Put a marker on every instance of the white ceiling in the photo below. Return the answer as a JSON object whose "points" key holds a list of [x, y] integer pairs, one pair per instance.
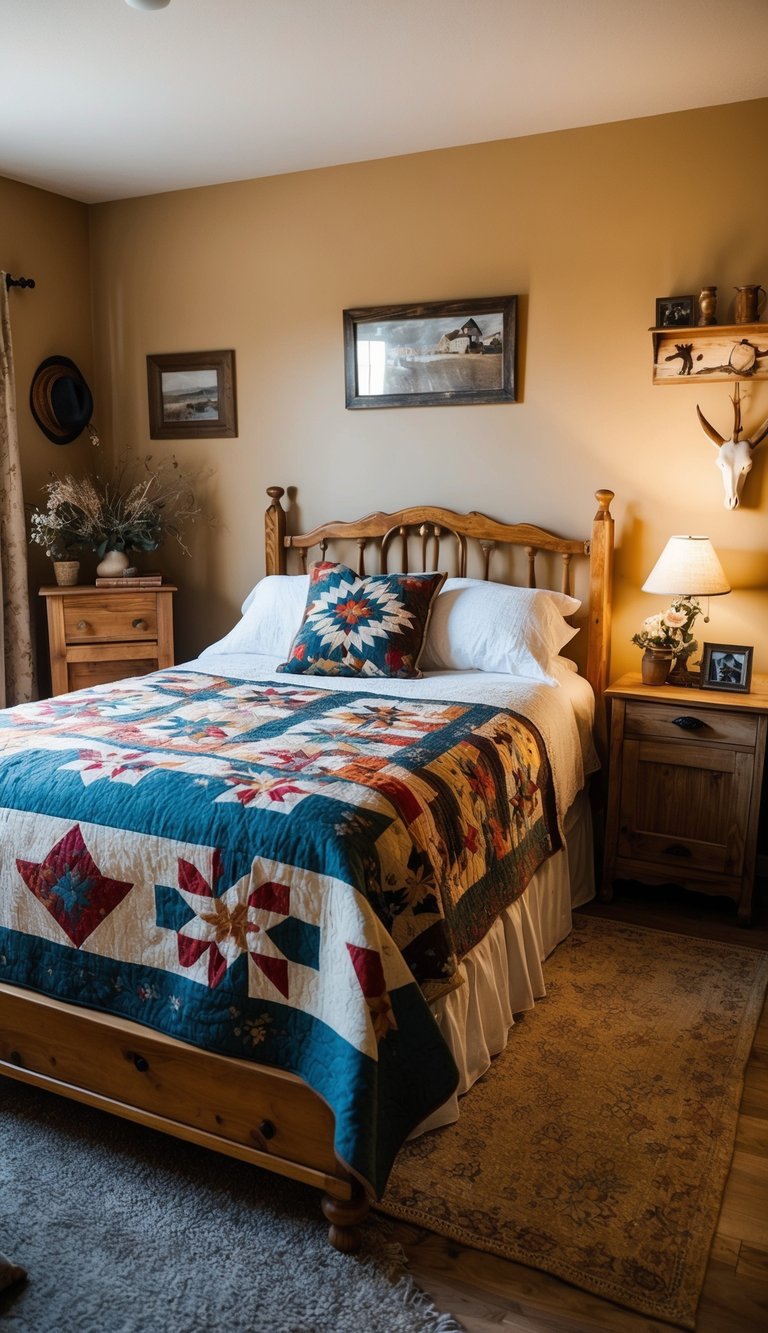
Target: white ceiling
{"points": [[100, 101]]}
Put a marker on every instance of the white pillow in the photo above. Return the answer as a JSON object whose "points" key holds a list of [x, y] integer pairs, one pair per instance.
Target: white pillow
{"points": [[271, 618], [479, 626]]}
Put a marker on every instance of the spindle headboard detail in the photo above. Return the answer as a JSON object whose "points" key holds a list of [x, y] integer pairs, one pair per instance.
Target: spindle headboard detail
{"points": [[439, 538]]}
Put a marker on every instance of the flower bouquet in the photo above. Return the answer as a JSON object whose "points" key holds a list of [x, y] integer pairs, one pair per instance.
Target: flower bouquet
{"points": [[668, 636]]}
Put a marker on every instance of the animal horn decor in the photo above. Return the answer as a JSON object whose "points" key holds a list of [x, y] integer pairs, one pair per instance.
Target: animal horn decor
{"points": [[734, 456]]}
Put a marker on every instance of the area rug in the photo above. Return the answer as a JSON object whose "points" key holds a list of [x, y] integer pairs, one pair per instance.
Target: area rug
{"points": [[121, 1229], [598, 1145]]}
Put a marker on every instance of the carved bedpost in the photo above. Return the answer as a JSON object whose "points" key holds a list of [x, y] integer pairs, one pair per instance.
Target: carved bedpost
{"points": [[601, 599], [599, 656], [601, 591], [274, 532]]}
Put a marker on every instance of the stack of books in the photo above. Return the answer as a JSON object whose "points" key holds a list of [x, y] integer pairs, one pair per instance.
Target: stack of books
{"points": [[138, 579]]}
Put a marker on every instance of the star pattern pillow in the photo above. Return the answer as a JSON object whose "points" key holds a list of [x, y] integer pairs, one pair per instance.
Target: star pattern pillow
{"points": [[363, 625]]}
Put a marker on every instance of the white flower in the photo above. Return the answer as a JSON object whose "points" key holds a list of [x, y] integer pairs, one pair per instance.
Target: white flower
{"points": [[671, 629]]}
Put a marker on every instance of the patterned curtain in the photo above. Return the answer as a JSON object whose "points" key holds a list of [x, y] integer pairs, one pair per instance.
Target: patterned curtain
{"points": [[16, 663]]}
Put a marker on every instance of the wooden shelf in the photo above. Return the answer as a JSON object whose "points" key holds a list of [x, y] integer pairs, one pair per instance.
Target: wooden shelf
{"points": [[708, 353]]}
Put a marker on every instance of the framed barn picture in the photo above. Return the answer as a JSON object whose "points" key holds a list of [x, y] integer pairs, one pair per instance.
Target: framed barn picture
{"points": [[444, 353]]}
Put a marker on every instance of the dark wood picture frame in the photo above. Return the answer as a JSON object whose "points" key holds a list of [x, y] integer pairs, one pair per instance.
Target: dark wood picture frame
{"points": [[192, 395], [676, 312], [442, 353], [726, 666]]}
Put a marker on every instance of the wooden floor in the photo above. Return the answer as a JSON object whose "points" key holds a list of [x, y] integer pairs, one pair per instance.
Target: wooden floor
{"points": [[486, 1293]]}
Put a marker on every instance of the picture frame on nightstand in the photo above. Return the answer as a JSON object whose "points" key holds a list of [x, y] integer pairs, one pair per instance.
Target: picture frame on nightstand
{"points": [[726, 666]]}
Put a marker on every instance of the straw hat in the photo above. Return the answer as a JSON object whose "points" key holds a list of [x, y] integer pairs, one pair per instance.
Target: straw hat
{"points": [[60, 399]]}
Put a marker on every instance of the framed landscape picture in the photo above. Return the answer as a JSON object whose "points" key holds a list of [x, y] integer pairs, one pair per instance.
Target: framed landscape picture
{"points": [[191, 395], [439, 354]]}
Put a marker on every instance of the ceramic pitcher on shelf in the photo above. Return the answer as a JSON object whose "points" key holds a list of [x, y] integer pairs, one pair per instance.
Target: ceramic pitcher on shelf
{"points": [[749, 303]]}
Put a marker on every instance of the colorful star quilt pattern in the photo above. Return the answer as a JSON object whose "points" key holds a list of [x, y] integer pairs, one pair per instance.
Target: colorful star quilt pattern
{"points": [[270, 872]]}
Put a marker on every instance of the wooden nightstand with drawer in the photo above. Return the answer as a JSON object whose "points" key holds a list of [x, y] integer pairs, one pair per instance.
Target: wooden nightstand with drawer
{"points": [[97, 635], [685, 780]]}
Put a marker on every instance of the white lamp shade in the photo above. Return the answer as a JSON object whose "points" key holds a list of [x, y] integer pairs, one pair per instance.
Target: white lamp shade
{"points": [[688, 566]]}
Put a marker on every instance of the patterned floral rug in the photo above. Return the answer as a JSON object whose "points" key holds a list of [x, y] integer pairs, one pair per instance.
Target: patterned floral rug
{"points": [[598, 1145]]}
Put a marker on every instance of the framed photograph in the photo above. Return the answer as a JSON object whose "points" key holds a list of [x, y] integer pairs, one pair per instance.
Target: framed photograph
{"points": [[726, 666], [191, 395], [433, 355], [676, 312]]}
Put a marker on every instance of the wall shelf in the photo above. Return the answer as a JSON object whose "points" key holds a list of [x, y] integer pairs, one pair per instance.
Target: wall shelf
{"points": [[713, 352]]}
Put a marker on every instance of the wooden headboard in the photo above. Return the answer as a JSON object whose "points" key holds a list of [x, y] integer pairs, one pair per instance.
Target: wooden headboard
{"points": [[427, 528]]}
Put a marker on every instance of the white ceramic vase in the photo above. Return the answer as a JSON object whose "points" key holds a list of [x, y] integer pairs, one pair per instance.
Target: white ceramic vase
{"points": [[113, 566]]}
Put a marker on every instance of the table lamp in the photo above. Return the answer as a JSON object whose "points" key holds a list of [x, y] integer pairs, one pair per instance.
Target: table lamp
{"points": [[687, 567]]}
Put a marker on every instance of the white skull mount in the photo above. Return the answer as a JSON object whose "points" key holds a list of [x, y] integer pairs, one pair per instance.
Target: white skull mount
{"points": [[734, 456]]}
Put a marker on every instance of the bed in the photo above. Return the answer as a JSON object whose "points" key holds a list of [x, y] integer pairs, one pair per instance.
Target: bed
{"points": [[287, 910]]}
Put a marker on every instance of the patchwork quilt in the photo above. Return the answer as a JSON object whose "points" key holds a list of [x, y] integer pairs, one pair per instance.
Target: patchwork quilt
{"points": [[270, 872]]}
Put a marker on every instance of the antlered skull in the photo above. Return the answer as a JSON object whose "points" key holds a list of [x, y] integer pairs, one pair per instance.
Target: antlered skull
{"points": [[734, 456]]}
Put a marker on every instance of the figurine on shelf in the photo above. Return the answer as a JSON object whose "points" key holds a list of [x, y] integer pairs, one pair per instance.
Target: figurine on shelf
{"points": [[707, 305]]}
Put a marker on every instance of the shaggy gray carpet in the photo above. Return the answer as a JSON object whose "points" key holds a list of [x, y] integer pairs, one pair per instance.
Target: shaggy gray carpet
{"points": [[122, 1230]]}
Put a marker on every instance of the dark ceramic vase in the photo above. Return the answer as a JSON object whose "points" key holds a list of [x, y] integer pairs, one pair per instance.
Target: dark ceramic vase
{"points": [[655, 665]]}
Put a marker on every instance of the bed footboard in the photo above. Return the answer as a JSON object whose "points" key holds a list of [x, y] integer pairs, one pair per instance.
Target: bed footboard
{"points": [[258, 1115]]}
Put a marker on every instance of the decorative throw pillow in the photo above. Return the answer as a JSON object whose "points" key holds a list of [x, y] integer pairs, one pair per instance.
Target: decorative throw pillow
{"points": [[370, 625]]}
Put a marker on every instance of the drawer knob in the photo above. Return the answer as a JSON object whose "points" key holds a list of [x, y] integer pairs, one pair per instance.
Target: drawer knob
{"points": [[267, 1129], [81, 624], [139, 624], [141, 1063], [688, 723], [677, 849]]}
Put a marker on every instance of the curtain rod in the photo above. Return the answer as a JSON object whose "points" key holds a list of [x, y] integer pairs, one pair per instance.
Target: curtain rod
{"points": [[18, 282]]}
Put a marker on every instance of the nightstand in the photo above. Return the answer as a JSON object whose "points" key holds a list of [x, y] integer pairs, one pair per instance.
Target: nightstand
{"points": [[100, 634], [685, 779]]}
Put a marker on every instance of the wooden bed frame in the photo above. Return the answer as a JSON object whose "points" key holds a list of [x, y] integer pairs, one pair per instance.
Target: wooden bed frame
{"points": [[257, 1114]]}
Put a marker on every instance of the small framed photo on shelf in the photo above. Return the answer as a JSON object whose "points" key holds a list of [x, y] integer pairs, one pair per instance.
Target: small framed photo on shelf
{"points": [[726, 666], [675, 312]]}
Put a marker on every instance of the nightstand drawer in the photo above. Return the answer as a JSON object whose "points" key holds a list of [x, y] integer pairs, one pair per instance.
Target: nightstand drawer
{"points": [[675, 722], [126, 616], [680, 806]]}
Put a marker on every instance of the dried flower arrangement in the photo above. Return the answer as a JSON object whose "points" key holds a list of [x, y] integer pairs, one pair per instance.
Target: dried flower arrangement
{"points": [[93, 513]]}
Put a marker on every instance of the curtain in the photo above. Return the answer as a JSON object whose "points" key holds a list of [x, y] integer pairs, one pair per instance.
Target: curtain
{"points": [[16, 662]]}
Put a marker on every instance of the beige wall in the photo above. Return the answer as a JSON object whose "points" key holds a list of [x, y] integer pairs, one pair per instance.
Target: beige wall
{"points": [[46, 237], [588, 226]]}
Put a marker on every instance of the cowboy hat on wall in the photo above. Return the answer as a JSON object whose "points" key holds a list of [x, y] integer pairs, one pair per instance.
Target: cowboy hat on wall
{"points": [[60, 400]]}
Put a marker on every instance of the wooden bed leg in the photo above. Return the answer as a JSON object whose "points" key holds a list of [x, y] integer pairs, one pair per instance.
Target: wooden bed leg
{"points": [[345, 1216]]}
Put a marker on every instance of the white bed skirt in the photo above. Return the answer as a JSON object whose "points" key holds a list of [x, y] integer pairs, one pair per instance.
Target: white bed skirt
{"points": [[503, 974]]}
